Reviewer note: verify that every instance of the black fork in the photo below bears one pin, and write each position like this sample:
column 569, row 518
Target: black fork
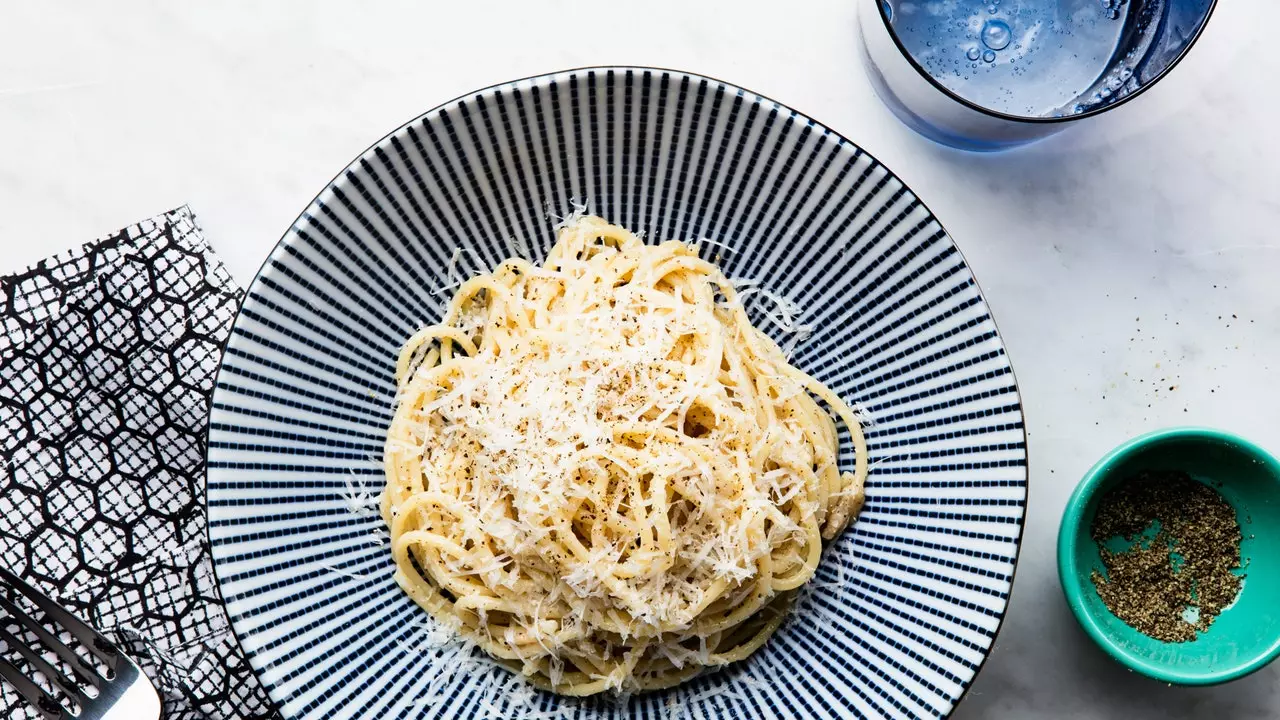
column 120, row 692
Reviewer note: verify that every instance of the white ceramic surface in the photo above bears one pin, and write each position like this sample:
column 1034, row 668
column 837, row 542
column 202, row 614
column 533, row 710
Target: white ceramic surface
column 1084, row 242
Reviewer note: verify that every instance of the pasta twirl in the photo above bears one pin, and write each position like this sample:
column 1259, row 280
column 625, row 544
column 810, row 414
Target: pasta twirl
column 600, row 472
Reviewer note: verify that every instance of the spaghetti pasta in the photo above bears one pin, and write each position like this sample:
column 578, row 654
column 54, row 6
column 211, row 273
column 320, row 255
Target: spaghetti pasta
column 600, row 472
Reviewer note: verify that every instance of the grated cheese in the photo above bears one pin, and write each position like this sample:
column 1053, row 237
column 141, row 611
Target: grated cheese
column 596, row 459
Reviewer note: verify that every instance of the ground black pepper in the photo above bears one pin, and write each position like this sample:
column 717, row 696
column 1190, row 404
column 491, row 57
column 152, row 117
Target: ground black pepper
column 1173, row 585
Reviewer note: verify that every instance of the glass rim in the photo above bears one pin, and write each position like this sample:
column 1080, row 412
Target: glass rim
column 1031, row 119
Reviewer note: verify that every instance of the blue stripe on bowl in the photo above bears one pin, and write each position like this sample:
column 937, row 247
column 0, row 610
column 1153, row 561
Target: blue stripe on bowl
column 906, row 604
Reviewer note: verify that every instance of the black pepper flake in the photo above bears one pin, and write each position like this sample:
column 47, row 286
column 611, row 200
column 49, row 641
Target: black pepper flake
column 1173, row 585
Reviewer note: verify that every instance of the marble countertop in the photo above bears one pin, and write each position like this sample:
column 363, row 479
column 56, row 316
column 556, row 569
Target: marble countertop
column 1123, row 258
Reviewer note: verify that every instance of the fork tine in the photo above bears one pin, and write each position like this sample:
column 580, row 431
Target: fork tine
column 95, row 643
column 42, row 665
column 52, row 642
column 37, row 698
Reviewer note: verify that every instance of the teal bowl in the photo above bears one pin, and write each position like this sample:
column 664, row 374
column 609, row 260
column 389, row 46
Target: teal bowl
column 1246, row 636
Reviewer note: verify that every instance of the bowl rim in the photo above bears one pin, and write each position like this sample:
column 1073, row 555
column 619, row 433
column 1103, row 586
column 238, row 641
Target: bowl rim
column 252, row 657
column 1068, row 570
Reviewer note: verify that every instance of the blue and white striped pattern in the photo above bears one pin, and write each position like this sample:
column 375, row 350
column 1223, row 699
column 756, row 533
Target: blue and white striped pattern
column 908, row 601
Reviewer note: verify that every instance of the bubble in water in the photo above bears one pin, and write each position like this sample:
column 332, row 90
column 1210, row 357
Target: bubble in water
column 1077, row 109
column 989, row 56
column 1113, row 13
column 1108, row 3
column 996, row 34
column 973, row 53
column 991, row 9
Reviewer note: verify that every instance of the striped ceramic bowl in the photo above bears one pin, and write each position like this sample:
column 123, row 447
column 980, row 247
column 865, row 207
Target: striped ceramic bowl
column 906, row 603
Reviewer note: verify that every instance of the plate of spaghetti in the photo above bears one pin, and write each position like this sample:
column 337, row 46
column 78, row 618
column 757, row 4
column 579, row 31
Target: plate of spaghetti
column 614, row 393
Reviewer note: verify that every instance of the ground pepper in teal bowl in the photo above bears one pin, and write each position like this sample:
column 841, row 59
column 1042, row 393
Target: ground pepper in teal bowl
column 1169, row 555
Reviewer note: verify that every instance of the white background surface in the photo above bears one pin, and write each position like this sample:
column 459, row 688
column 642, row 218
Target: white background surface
column 1130, row 255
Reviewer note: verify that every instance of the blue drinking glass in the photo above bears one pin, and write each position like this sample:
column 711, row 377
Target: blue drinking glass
column 992, row 74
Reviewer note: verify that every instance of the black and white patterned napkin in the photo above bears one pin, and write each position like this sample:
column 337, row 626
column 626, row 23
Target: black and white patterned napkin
column 107, row 361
